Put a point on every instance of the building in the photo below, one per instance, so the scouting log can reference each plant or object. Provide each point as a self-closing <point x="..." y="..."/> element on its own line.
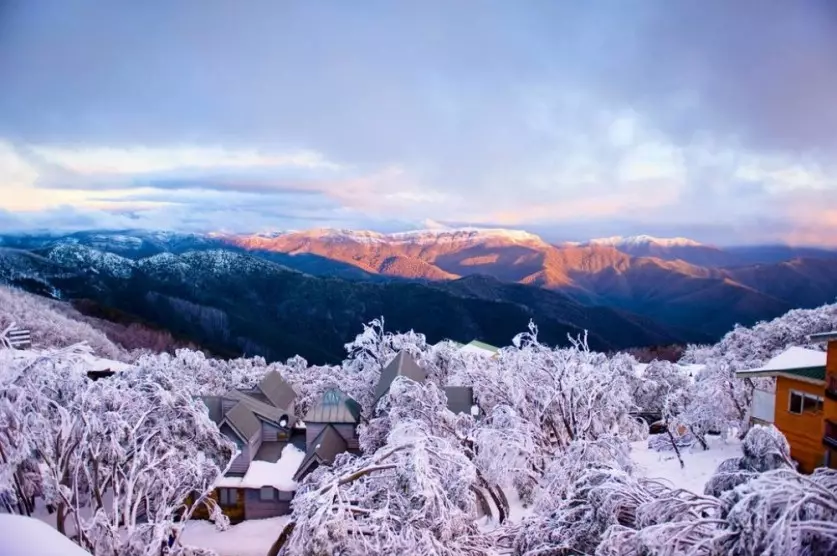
<point x="276" y="450"/>
<point x="460" y="398"/>
<point x="271" y="445"/>
<point x="802" y="402"/>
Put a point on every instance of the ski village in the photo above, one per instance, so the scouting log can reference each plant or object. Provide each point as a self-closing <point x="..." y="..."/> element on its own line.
<point x="411" y="448"/>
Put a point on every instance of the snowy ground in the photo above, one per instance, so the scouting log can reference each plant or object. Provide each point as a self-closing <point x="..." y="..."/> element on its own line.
<point x="248" y="538"/>
<point x="700" y="464"/>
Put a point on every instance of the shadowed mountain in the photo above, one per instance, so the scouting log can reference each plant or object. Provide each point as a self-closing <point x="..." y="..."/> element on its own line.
<point x="237" y="303"/>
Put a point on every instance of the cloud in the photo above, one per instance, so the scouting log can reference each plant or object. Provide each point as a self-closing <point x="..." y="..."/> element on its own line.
<point x="658" y="117"/>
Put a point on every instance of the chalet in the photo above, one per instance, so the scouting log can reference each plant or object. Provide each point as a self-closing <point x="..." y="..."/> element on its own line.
<point x="802" y="401"/>
<point x="270" y="444"/>
<point x="276" y="450"/>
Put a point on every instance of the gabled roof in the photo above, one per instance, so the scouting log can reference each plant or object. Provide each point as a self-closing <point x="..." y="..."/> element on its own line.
<point x="261" y="409"/>
<point x="401" y="365"/>
<point x="243" y="421"/>
<point x="334" y="407"/>
<point x="323" y="449"/>
<point x="277" y="391"/>
<point x="795" y="362"/>
<point x="460" y="399"/>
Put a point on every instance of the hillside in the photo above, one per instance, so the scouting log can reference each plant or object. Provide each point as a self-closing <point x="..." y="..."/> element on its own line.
<point x="677" y="281"/>
<point x="232" y="302"/>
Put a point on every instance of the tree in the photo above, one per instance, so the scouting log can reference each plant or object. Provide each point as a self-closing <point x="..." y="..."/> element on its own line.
<point x="765" y="448"/>
<point x="411" y="496"/>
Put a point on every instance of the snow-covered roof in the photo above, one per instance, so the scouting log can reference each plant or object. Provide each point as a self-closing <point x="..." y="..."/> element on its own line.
<point x="27" y="536"/>
<point x="792" y="360"/>
<point x="796" y="358"/>
<point x="481" y="348"/>
<point x="279" y="475"/>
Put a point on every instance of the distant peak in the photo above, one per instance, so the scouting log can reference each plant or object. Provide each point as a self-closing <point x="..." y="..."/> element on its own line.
<point x="434" y="235"/>
<point x="620" y="241"/>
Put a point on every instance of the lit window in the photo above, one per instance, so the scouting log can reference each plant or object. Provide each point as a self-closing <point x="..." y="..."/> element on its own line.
<point x="266" y="493"/>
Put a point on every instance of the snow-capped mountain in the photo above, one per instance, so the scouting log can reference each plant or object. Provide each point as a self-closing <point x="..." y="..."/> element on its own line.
<point x="641" y="240"/>
<point x="677" y="281"/>
<point x="431" y="236"/>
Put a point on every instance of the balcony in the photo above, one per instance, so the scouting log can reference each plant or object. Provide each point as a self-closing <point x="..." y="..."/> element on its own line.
<point x="830" y="437"/>
<point x="831" y="387"/>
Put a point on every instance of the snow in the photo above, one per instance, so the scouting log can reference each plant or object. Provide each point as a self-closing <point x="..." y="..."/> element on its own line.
<point x="620" y="241"/>
<point x="101" y="364"/>
<point x="793" y="358"/>
<point x="279" y="475"/>
<point x="425" y="237"/>
<point x="691" y="369"/>
<point x="249" y="538"/>
<point x="700" y="464"/>
<point x="27" y="536"/>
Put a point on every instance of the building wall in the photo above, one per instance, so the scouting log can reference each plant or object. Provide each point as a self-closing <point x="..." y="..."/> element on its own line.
<point x="272" y="433"/>
<point x="804" y="432"/>
<point x="256" y="508"/>
<point x="234" y="512"/>
<point x="764" y="406"/>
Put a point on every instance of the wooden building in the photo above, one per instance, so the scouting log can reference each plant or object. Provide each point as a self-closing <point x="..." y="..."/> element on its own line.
<point x="802" y="401"/>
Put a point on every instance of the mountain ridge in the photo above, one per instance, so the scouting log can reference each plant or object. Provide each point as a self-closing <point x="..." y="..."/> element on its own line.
<point x="680" y="283"/>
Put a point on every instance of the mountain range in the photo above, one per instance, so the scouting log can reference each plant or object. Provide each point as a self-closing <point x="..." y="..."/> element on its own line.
<point x="308" y="292"/>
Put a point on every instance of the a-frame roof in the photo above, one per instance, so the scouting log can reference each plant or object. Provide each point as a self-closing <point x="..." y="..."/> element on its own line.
<point x="260" y="408"/>
<point x="401" y="365"/>
<point x="242" y="420"/>
<point x="334" y="406"/>
<point x="277" y="391"/>
<point x="322" y="450"/>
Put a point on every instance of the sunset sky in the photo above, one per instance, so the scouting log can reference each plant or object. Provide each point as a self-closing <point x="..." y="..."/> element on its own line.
<point x="710" y="119"/>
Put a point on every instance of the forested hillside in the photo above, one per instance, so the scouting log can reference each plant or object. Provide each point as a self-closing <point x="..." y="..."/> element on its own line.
<point x="235" y="303"/>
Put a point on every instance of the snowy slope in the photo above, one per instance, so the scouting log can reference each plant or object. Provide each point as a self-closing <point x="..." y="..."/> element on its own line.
<point x="700" y="464"/>
<point x="27" y="536"/>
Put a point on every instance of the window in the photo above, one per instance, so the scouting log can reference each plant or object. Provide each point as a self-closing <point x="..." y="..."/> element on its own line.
<point x="227" y="496"/>
<point x="800" y="402"/>
<point x="285" y="495"/>
<point x="266" y="493"/>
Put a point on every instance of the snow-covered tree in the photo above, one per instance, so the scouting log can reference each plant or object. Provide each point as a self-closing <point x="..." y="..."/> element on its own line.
<point x="50" y="328"/>
<point x="765" y="448"/>
<point x="413" y="496"/>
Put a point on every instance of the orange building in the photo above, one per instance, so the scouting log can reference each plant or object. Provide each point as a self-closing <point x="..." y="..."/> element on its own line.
<point x="803" y="401"/>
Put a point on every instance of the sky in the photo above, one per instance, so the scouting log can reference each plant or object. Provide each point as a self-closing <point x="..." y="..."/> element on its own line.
<point x="708" y="119"/>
